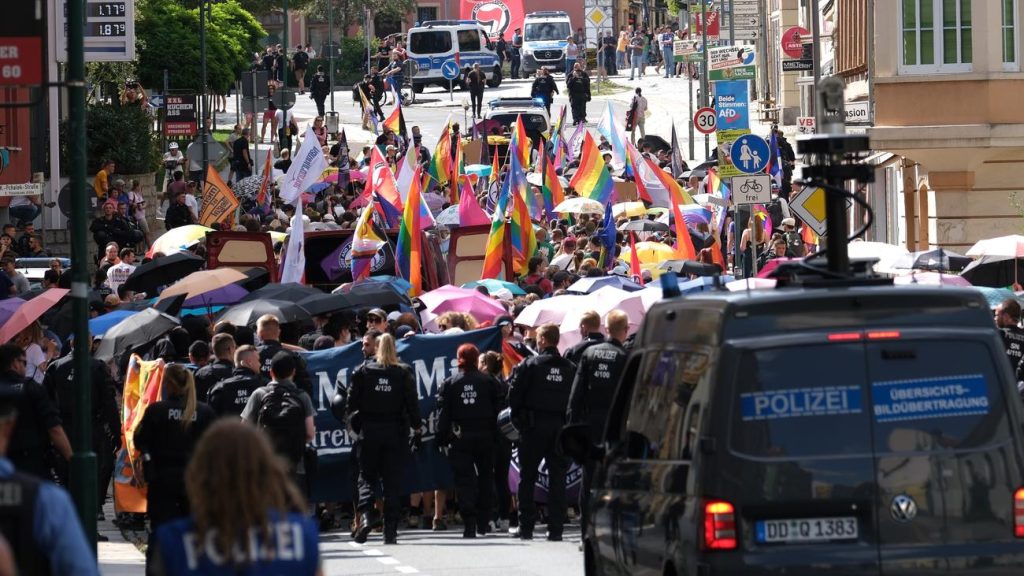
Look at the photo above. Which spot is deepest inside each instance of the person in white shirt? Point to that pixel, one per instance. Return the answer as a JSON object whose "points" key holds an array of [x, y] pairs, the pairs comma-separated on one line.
{"points": [[191, 202], [137, 205], [118, 273], [174, 161]]}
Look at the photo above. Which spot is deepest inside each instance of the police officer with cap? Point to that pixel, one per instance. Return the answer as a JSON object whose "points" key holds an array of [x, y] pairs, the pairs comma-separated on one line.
{"points": [[468, 405], [37, 518], [268, 330], [382, 407], [229, 396], [591, 397], [539, 397]]}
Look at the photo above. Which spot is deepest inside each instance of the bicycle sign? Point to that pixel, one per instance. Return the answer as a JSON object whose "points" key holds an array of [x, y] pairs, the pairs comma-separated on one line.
{"points": [[752, 189]]}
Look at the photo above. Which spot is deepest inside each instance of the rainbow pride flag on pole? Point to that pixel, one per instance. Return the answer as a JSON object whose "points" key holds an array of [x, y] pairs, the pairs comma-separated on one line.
{"points": [[520, 142], [365, 243], [524, 241], [441, 162], [410, 249], [592, 179], [551, 187]]}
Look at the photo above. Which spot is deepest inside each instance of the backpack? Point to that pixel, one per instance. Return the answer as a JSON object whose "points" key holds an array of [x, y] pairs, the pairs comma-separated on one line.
{"points": [[794, 245], [283, 416]]}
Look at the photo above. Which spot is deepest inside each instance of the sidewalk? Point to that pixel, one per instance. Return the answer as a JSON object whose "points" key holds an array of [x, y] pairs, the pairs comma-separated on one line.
{"points": [[117, 557]]}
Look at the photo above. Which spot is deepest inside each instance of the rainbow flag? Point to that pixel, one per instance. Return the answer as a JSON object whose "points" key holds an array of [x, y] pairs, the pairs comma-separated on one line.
{"points": [[520, 142], [494, 261], [396, 120], [441, 162], [410, 250], [365, 243], [495, 167], [716, 187], [592, 179], [524, 241], [263, 197], [368, 109], [551, 187]]}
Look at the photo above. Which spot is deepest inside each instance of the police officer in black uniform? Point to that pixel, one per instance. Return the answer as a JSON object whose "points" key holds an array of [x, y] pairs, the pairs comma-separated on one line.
{"points": [[268, 330], [382, 407], [539, 397], [591, 398], [38, 420], [229, 396], [60, 384], [222, 367], [590, 329], [468, 405]]}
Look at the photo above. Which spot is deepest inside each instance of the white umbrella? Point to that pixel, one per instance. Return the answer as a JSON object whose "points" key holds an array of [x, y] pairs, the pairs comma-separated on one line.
{"points": [[548, 311], [535, 179], [579, 206], [1006, 246], [601, 301], [705, 199]]}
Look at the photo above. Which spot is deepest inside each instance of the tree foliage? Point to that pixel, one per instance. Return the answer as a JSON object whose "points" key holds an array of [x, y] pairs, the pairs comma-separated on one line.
{"points": [[123, 134], [258, 7], [349, 12], [168, 34]]}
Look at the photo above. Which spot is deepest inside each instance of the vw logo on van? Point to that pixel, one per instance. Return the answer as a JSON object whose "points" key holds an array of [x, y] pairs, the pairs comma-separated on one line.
{"points": [[903, 509]]}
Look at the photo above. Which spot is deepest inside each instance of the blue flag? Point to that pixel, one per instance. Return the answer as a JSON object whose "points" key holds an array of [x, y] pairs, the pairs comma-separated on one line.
{"points": [[608, 236]]}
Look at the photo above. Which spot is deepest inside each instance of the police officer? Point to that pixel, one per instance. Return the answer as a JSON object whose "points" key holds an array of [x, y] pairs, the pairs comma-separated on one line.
{"points": [[39, 422], [268, 330], [1007, 316], [468, 405], [382, 406], [60, 384], [517, 50], [590, 329], [539, 397], [229, 396], [37, 518], [591, 397], [319, 89], [222, 367]]}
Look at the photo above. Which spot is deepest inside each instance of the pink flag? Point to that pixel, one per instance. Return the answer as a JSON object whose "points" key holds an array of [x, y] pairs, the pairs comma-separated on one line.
{"points": [[470, 213]]}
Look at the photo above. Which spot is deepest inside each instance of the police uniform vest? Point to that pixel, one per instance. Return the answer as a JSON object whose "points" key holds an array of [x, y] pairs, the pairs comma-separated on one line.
{"points": [[229, 396], [267, 351], [209, 375], [381, 389], [291, 549], [597, 376], [545, 382], [18, 494], [1013, 339], [471, 398], [575, 352]]}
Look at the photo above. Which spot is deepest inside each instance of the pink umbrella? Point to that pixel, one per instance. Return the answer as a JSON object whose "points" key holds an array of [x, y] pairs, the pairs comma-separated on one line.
{"points": [[450, 298], [932, 279], [548, 310], [357, 175], [771, 265], [29, 312]]}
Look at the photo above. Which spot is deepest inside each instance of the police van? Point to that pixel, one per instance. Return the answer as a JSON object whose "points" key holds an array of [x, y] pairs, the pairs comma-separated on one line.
{"points": [[545, 36], [434, 42]]}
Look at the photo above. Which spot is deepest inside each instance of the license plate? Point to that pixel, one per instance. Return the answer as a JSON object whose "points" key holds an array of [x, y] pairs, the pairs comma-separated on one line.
{"points": [[806, 530]]}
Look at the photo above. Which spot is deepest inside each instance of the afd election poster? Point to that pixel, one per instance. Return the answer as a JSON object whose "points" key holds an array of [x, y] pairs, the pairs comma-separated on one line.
{"points": [[496, 16], [432, 359]]}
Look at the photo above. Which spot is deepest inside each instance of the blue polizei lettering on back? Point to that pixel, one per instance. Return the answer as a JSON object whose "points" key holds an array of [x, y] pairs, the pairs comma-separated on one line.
{"points": [[801, 402], [923, 398]]}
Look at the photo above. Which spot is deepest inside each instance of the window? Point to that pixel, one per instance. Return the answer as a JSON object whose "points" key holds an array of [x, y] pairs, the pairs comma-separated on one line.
{"points": [[469, 40], [430, 42], [425, 13], [937, 36], [1009, 34]]}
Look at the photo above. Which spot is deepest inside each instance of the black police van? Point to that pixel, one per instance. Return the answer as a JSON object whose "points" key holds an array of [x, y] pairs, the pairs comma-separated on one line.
{"points": [[835, 425]]}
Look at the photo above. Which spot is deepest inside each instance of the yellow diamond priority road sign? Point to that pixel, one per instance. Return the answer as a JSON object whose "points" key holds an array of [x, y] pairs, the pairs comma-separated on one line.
{"points": [[809, 205], [597, 16]]}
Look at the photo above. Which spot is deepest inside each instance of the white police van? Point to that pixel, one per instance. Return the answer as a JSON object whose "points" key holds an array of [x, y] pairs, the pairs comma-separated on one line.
{"points": [[434, 42], [545, 36]]}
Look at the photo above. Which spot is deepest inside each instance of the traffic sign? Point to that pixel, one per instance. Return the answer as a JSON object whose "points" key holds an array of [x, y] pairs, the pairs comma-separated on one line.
{"points": [[809, 205], [705, 120], [215, 151], [750, 154], [450, 70], [752, 189]]}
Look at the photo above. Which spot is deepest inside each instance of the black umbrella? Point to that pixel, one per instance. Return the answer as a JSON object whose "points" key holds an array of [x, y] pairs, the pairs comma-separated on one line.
{"points": [[135, 331], [256, 278], [289, 291], [172, 305], [376, 294], [163, 271], [326, 303], [939, 260], [689, 267], [994, 271], [645, 226], [247, 313]]}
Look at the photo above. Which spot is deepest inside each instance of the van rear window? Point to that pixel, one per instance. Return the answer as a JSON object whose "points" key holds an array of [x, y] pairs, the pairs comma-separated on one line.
{"points": [[801, 401], [430, 42]]}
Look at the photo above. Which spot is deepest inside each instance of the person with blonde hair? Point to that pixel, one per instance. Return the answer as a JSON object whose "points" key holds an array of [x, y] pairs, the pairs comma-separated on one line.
{"points": [[382, 407], [246, 516], [166, 436], [32, 341]]}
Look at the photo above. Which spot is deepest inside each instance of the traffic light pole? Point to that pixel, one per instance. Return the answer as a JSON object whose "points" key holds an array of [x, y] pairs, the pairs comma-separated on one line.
{"points": [[83, 461]]}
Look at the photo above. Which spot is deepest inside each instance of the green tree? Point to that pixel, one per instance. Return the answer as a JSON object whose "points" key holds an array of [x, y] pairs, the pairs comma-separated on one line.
{"points": [[258, 7], [169, 40], [349, 12]]}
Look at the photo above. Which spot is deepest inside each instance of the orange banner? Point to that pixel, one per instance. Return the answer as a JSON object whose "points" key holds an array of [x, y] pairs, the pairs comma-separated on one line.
{"points": [[141, 388], [219, 202]]}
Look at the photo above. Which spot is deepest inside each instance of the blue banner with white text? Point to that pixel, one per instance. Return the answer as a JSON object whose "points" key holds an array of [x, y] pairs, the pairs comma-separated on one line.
{"points": [[432, 359]]}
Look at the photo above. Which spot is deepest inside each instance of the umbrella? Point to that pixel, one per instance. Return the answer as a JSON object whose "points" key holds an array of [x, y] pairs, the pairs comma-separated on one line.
{"points": [[389, 291], [485, 126], [751, 284], [939, 259], [138, 330], [29, 312], [172, 305], [449, 216], [8, 307], [932, 278], [601, 301], [705, 199], [579, 206], [650, 252], [596, 283], [1006, 246], [702, 284], [549, 310], [995, 271], [693, 215], [229, 294], [321, 304], [290, 291], [454, 299], [536, 179], [481, 170], [205, 281], [644, 226], [880, 250], [247, 313], [178, 239], [689, 267], [649, 295], [150, 276], [656, 210], [99, 325], [629, 209], [493, 286], [995, 296], [255, 278]]}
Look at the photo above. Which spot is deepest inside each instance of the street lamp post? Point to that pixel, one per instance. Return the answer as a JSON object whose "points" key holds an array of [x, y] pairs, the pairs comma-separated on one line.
{"points": [[330, 48], [204, 6]]}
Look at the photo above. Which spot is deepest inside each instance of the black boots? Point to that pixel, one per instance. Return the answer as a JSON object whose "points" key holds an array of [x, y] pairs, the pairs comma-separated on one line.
{"points": [[371, 521]]}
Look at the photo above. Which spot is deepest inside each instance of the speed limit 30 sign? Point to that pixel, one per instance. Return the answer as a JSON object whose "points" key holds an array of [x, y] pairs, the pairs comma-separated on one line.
{"points": [[705, 120]]}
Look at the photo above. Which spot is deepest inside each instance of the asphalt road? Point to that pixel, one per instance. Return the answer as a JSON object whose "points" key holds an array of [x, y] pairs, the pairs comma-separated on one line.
{"points": [[446, 553]]}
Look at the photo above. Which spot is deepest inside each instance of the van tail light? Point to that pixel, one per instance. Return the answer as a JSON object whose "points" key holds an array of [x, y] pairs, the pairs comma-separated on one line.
{"points": [[1018, 513], [844, 336], [884, 335], [720, 525]]}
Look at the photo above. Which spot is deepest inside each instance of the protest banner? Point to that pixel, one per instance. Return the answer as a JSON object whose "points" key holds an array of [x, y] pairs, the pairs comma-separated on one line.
{"points": [[219, 202]]}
